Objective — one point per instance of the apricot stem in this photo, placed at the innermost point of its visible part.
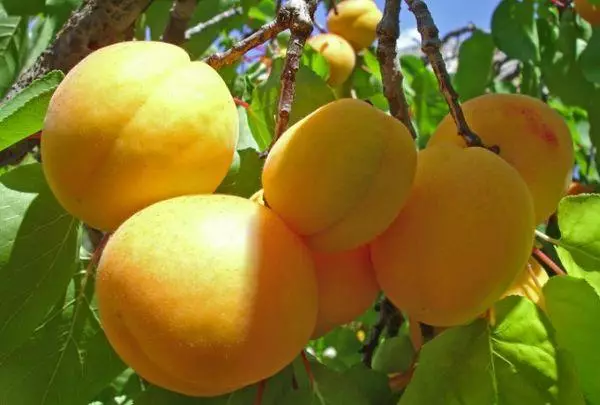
(260, 392)
(388, 31)
(547, 238)
(307, 367)
(430, 44)
(541, 256)
(416, 336)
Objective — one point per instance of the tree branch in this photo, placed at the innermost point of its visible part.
(181, 12)
(301, 27)
(197, 29)
(390, 318)
(430, 44)
(266, 32)
(388, 31)
(96, 24)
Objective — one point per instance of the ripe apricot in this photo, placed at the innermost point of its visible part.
(532, 137)
(135, 123)
(347, 287)
(340, 175)
(588, 11)
(339, 55)
(462, 237)
(205, 294)
(529, 283)
(356, 21)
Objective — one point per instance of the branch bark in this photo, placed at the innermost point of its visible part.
(388, 31)
(96, 24)
(430, 44)
(391, 319)
(181, 12)
(197, 29)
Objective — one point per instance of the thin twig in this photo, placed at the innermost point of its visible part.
(388, 31)
(430, 44)
(96, 24)
(266, 32)
(181, 13)
(390, 318)
(197, 29)
(541, 256)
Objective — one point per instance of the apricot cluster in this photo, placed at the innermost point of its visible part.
(352, 27)
(204, 293)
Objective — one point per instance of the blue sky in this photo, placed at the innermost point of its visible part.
(447, 14)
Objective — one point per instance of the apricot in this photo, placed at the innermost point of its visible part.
(339, 176)
(135, 123)
(205, 294)
(588, 11)
(532, 137)
(347, 287)
(462, 237)
(356, 21)
(529, 283)
(339, 55)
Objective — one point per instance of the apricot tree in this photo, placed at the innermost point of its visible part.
(268, 202)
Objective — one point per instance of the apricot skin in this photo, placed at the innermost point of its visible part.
(135, 123)
(588, 11)
(532, 137)
(339, 55)
(347, 287)
(462, 237)
(192, 295)
(527, 286)
(356, 21)
(339, 176)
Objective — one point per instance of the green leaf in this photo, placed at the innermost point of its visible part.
(373, 385)
(42, 32)
(311, 93)
(530, 80)
(23, 7)
(514, 362)
(593, 112)
(159, 396)
(589, 59)
(514, 30)
(574, 309)
(11, 31)
(474, 65)
(334, 388)
(394, 355)
(301, 397)
(315, 62)
(579, 223)
(23, 115)
(38, 253)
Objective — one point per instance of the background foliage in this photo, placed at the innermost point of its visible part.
(53, 351)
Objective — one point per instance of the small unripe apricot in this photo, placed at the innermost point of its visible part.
(356, 21)
(135, 123)
(339, 176)
(532, 137)
(339, 55)
(206, 294)
(588, 11)
(462, 237)
(347, 287)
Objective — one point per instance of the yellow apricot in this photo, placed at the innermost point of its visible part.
(532, 137)
(339, 55)
(462, 237)
(347, 287)
(588, 11)
(205, 294)
(529, 283)
(135, 123)
(356, 21)
(340, 175)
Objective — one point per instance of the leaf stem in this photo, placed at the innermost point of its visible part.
(541, 256)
